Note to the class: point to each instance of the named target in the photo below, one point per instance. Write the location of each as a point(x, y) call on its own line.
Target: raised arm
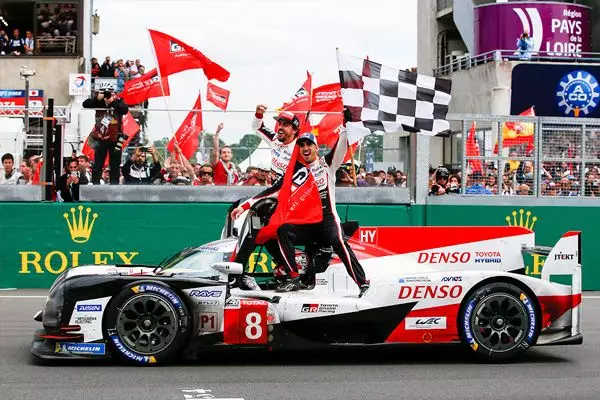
point(258, 126)
point(215, 152)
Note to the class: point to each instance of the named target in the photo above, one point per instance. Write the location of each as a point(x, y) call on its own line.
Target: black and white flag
point(385, 99)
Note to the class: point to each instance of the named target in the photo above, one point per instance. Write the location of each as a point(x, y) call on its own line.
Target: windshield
point(195, 260)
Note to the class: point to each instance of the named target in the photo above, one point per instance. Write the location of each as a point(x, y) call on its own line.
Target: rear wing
point(563, 265)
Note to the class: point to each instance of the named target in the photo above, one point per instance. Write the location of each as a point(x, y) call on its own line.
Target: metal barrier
point(454, 64)
point(529, 156)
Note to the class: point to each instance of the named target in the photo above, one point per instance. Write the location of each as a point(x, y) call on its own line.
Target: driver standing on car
point(328, 232)
point(282, 145)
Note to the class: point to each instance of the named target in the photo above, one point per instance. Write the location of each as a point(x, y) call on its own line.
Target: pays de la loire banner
point(557, 29)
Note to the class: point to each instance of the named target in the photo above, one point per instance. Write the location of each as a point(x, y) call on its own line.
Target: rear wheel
point(147, 323)
point(498, 322)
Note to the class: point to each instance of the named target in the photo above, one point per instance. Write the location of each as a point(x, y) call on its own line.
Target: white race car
point(463, 285)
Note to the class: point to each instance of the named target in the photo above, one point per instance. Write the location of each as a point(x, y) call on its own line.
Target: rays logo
point(577, 92)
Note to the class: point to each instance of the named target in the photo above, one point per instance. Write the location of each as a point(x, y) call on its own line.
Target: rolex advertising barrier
point(40, 240)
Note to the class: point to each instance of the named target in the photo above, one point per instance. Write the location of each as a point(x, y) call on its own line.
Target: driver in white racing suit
point(328, 232)
point(282, 145)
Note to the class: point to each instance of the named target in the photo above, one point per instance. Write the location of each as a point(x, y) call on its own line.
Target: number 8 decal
point(253, 328)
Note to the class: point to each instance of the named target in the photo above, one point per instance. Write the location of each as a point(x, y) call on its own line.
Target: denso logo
point(89, 307)
point(205, 293)
point(430, 292)
point(443, 257)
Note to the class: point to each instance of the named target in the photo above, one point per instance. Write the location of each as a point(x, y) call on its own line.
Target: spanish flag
point(516, 133)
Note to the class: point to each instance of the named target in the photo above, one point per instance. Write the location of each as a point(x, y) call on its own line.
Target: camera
point(144, 149)
point(120, 140)
point(75, 174)
point(435, 188)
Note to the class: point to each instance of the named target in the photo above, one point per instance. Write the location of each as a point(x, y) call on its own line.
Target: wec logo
point(205, 293)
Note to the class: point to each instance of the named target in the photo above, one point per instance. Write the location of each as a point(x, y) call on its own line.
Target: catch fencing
point(529, 156)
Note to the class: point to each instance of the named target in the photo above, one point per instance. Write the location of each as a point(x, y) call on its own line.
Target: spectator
point(84, 167)
point(524, 190)
point(29, 43)
point(105, 178)
point(107, 70)
point(3, 42)
point(122, 75)
point(225, 172)
point(524, 45)
point(16, 45)
point(108, 133)
point(205, 175)
point(453, 184)
point(137, 171)
point(95, 67)
point(342, 178)
point(478, 186)
point(68, 184)
point(26, 172)
point(441, 182)
point(10, 176)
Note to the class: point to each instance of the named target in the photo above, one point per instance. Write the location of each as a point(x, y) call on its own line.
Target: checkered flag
point(385, 99)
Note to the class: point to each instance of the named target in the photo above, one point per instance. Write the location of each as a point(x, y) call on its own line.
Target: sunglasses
point(202, 173)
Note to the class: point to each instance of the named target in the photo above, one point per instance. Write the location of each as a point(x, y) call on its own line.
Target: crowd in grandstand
point(52, 21)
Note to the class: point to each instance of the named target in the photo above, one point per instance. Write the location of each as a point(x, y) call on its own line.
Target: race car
point(462, 285)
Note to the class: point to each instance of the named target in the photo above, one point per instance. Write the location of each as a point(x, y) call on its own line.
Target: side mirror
point(228, 268)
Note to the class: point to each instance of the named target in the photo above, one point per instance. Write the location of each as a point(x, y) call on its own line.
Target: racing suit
point(281, 155)
point(328, 232)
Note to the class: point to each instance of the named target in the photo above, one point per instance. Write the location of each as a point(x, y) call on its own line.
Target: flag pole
point(352, 164)
point(161, 83)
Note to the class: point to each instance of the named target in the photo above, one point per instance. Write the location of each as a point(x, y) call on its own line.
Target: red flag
point(472, 150)
point(328, 130)
point(138, 90)
point(327, 98)
point(174, 56)
point(218, 96)
point(298, 201)
point(301, 101)
point(187, 134)
point(130, 128)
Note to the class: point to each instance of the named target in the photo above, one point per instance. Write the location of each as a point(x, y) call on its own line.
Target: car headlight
point(53, 309)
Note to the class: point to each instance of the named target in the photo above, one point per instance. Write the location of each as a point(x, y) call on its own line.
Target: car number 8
point(253, 328)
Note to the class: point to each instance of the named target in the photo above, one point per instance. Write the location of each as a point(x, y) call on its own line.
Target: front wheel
point(147, 323)
point(498, 322)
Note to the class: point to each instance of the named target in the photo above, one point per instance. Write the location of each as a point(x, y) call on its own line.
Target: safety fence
point(528, 156)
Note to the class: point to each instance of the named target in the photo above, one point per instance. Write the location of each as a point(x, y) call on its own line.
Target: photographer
point(68, 184)
point(524, 46)
point(107, 137)
point(440, 185)
point(137, 171)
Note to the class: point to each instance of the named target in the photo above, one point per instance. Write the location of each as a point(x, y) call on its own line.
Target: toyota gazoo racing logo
point(577, 92)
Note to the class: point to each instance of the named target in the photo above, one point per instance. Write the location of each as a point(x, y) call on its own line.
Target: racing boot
point(289, 285)
point(363, 288)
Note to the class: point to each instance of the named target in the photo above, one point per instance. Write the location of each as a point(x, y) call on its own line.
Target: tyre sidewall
point(116, 345)
point(466, 329)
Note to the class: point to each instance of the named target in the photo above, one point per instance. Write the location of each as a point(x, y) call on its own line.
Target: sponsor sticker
point(430, 292)
point(207, 302)
point(84, 320)
point(81, 348)
point(160, 290)
point(89, 307)
point(209, 322)
point(206, 293)
point(130, 354)
point(444, 257)
point(467, 325)
point(413, 279)
point(319, 308)
point(531, 314)
point(452, 279)
point(414, 323)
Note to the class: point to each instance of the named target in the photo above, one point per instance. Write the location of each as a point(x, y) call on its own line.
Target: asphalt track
point(569, 372)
